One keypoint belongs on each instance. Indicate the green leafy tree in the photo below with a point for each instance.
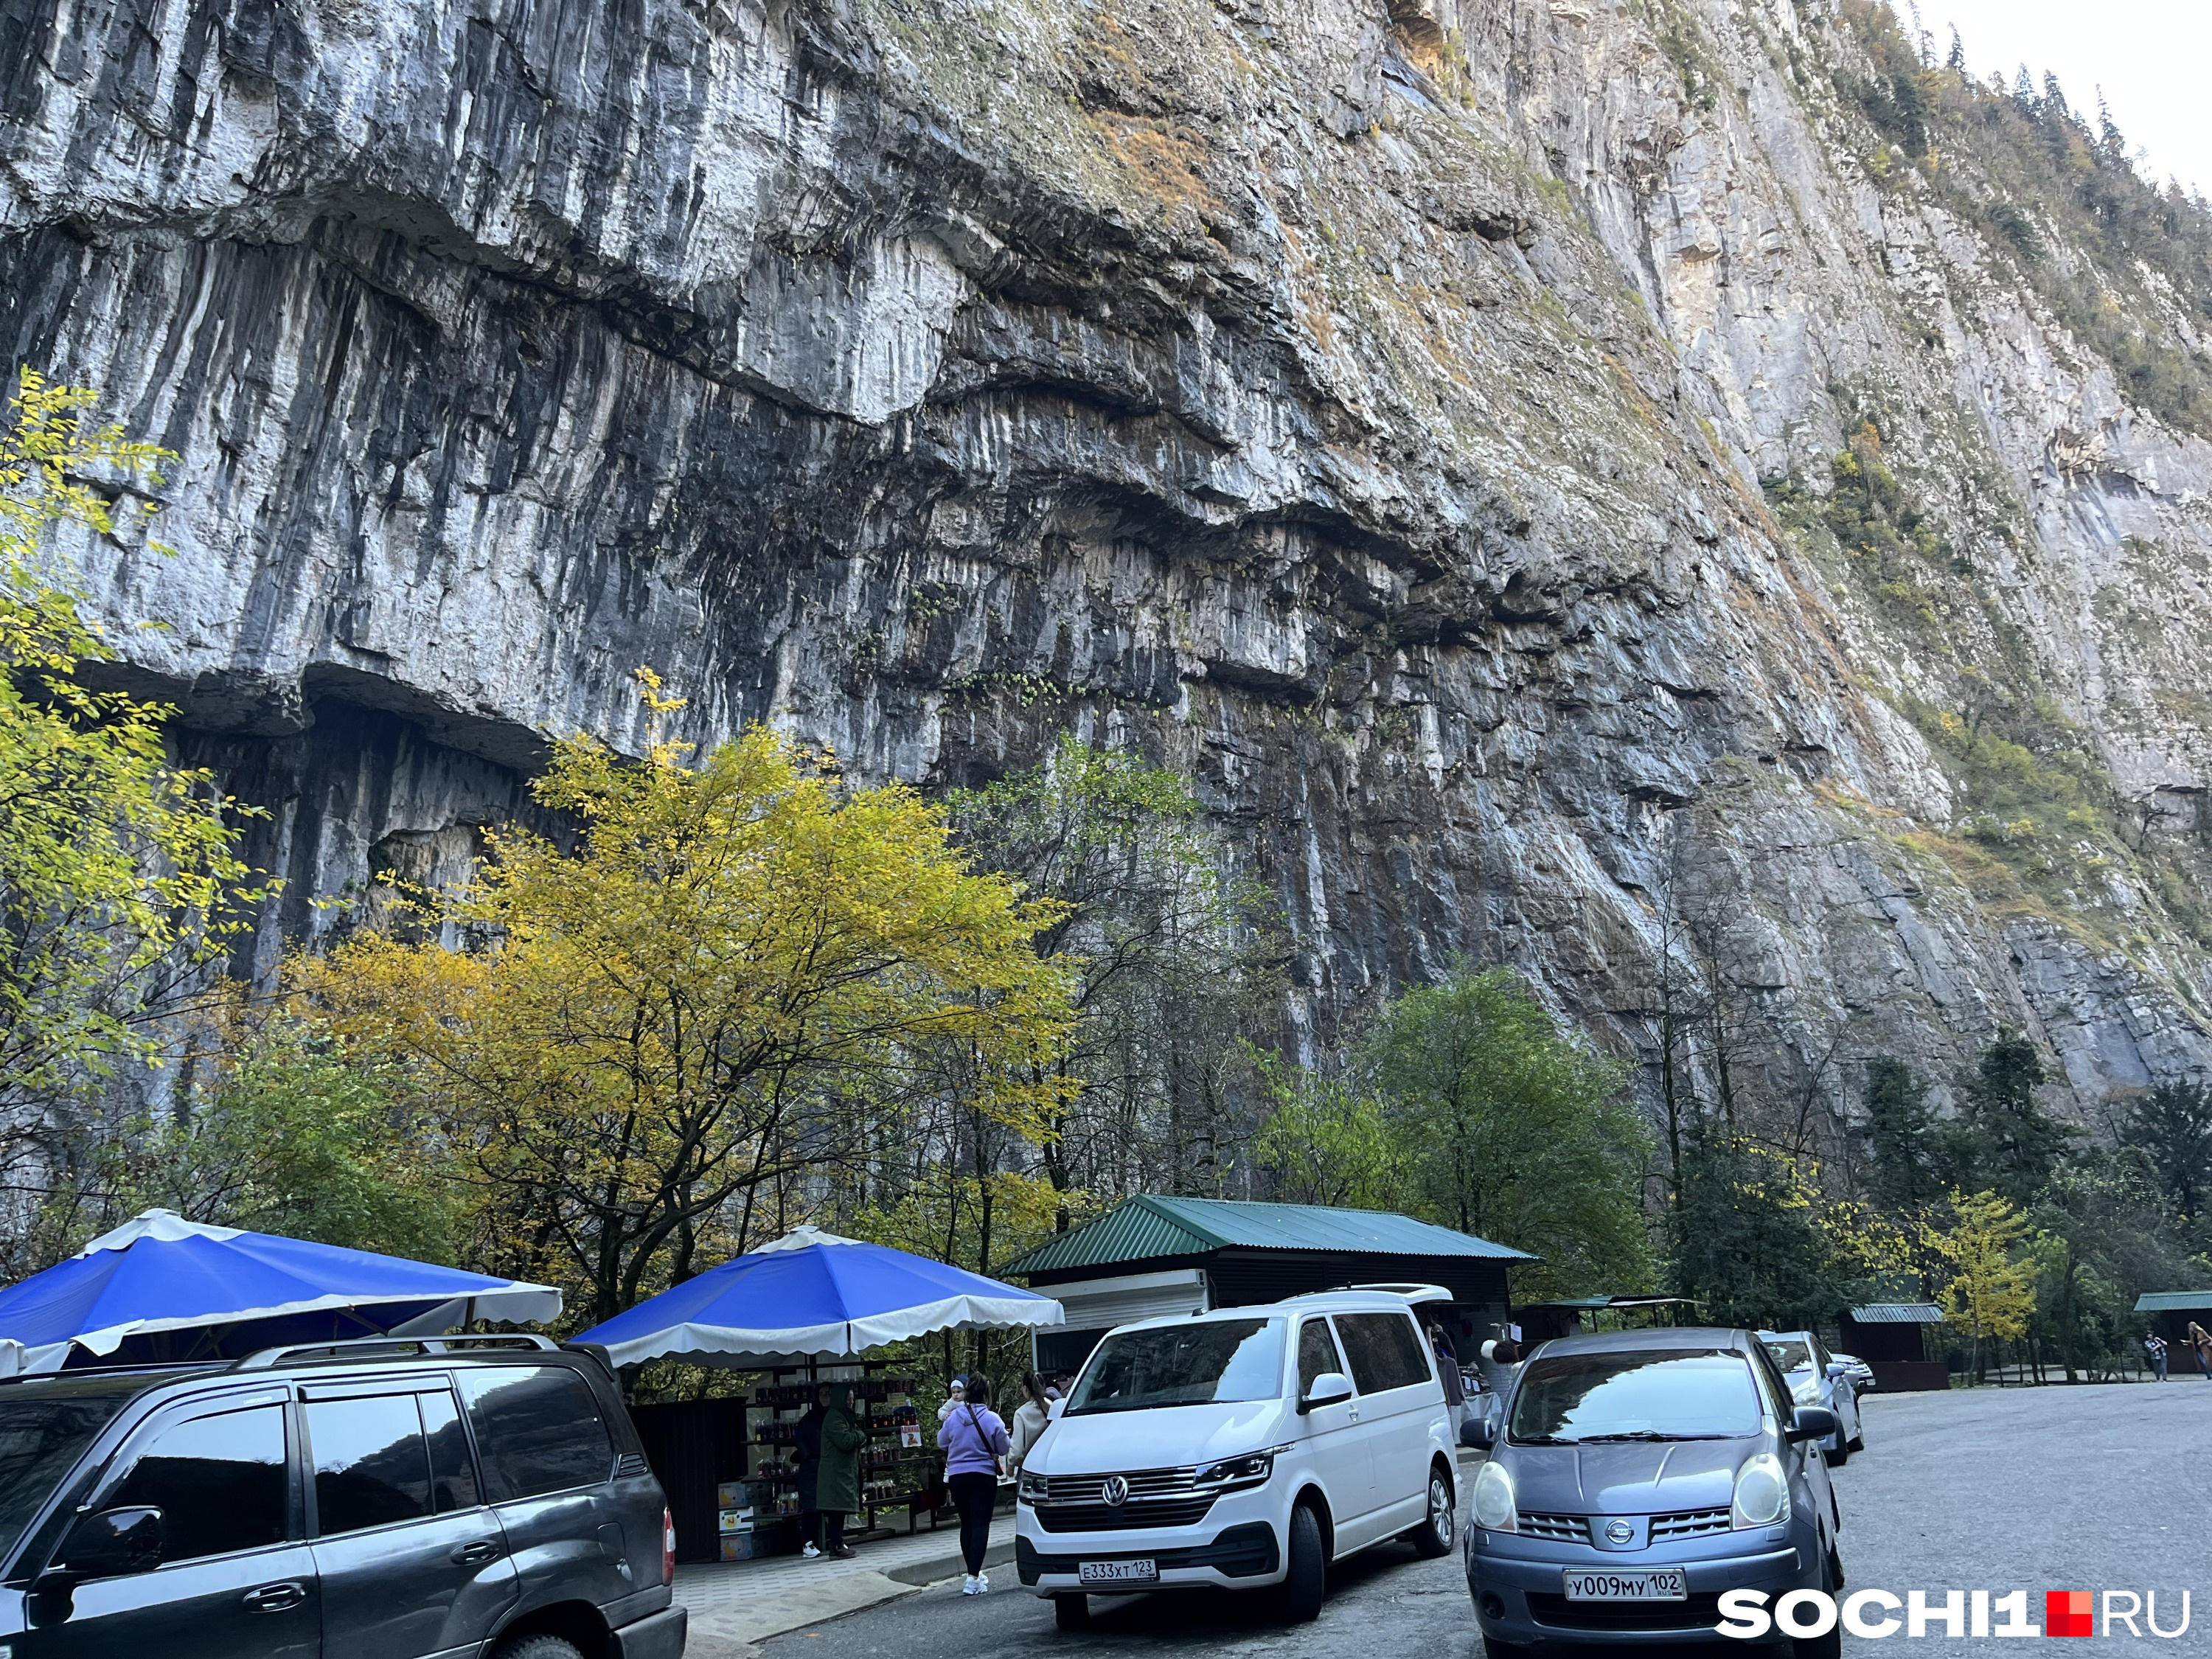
(120, 887)
(1328, 1140)
(1514, 1131)
(1173, 961)
(1900, 1135)
(2003, 1141)
(1748, 1247)
(300, 1138)
(2171, 1127)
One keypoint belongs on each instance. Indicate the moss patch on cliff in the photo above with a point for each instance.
(1875, 531)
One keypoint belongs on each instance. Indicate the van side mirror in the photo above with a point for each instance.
(113, 1543)
(1813, 1423)
(1329, 1389)
(1477, 1433)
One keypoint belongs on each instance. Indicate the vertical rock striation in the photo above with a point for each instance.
(1415, 419)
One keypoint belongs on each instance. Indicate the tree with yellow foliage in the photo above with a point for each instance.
(120, 887)
(1991, 1293)
(735, 985)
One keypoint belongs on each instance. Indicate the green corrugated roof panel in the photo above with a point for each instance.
(1151, 1225)
(1897, 1313)
(2173, 1301)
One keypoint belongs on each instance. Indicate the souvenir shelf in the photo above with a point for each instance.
(897, 1465)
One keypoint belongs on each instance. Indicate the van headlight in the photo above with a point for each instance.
(1233, 1473)
(1762, 1491)
(1494, 1505)
(1030, 1489)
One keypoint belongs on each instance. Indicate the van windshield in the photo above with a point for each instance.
(1195, 1364)
(40, 1440)
(1659, 1393)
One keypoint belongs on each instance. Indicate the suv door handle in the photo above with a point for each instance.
(276, 1598)
(476, 1552)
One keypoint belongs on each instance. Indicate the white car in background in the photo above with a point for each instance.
(1242, 1448)
(1818, 1378)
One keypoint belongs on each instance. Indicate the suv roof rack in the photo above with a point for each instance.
(353, 1347)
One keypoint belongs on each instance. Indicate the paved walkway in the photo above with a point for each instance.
(736, 1603)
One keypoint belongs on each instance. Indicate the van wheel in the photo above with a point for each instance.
(1071, 1611)
(1308, 1578)
(538, 1647)
(1435, 1536)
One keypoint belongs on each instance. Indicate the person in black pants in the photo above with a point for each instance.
(974, 1440)
(807, 1446)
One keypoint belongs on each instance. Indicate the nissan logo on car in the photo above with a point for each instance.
(1115, 1491)
(1620, 1531)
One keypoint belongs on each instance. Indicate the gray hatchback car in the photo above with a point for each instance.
(1635, 1477)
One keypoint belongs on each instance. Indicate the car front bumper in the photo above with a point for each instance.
(1518, 1588)
(1236, 1546)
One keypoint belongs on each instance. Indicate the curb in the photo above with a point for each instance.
(949, 1565)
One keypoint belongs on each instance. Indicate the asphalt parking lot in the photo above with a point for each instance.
(2104, 1487)
(2032, 1489)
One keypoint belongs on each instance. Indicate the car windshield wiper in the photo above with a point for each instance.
(1546, 1440)
(1136, 1405)
(1649, 1434)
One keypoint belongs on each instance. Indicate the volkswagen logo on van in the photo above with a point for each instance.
(1115, 1491)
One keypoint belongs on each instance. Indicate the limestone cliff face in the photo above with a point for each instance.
(1363, 405)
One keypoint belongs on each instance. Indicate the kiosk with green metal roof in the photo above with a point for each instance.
(2170, 1313)
(1156, 1256)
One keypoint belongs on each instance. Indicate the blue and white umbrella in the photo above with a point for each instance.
(813, 1294)
(160, 1287)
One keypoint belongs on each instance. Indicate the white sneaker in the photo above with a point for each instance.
(982, 1584)
(968, 1585)
(809, 1553)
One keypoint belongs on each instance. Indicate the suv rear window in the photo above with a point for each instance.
(1385, 1351)
(538, 1430)
(40, 1440)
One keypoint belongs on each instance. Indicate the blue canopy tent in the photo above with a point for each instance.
(813, 1295)
(160, 1288)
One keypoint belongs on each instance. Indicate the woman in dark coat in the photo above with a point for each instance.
(806, 1446)
(837, 1476)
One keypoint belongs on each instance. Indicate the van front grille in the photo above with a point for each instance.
(1124, 1517)
(1143, 1484)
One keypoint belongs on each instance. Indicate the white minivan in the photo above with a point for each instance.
(1245, 1448)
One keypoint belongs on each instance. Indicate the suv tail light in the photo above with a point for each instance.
(667, 1547)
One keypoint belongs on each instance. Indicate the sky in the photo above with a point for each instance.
(2149, 55)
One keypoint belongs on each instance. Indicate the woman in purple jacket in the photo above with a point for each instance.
(974, 1440)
